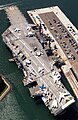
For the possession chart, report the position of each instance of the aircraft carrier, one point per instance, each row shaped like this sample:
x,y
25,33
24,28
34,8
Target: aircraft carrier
x,y
31,51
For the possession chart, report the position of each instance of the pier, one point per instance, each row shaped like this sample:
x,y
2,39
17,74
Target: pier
x,y
4,92
65,36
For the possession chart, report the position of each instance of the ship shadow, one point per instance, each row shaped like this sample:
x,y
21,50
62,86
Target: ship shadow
x,y
70,113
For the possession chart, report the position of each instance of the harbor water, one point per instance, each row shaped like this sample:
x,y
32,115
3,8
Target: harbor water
x,y
18,105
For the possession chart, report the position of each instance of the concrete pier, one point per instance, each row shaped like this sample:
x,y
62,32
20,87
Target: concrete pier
x,y
65,36
8,87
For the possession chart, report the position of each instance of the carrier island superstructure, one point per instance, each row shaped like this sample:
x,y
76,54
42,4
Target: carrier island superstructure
x,y
29,46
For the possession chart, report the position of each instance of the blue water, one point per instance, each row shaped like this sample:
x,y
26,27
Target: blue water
x,y
18,105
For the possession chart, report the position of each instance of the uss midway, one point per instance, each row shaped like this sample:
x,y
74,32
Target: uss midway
x,y
31,48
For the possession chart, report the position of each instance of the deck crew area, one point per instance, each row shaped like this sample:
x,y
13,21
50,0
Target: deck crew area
x,y
30,56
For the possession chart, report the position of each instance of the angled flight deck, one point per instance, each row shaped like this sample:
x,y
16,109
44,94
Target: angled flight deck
x,y
32,59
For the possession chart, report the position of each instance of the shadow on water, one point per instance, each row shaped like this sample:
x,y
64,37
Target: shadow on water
x,y
69,114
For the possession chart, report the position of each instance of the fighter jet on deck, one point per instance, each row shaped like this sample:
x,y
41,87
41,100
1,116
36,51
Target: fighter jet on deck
x,y
62,96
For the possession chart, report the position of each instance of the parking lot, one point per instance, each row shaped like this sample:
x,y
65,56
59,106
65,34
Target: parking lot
x,y
62,35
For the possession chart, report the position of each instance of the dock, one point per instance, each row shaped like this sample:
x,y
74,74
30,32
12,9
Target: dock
x,y
31,58
7,89
65,36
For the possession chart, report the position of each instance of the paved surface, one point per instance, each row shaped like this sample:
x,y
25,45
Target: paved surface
x,y
57,32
